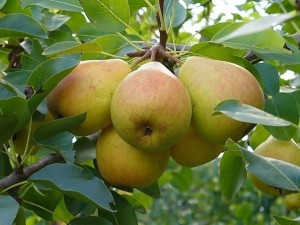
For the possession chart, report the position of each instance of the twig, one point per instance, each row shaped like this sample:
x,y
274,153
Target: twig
x,y
19,176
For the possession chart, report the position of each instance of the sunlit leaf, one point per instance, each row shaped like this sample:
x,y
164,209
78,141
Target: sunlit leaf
x,y
68,5
266,41
110,16
257,25
70,47
246,113
53,21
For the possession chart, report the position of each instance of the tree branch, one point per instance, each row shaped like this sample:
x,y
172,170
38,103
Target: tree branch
x,y
163,36
23,174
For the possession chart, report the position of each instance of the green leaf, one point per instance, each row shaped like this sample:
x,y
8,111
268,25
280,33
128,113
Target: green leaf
x,y
18,107
70,47
296,95
21,217
2,3
258,25
51,128
18,79
208,32
46,76
53,21
272,171
285,221
84,220
138,207
111,43
5,166
68,5
258,136
76,22
233,172
283,105
152,191
174,13
73,181
8,209
48,199
246,113
85,150
110,16
267,41
290,58
124,214
182,179
20,25
6,90
7,126
270,78
62,143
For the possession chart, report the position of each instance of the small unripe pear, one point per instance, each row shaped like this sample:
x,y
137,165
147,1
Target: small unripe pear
x,y
151,109
20,138
292,201
287,151
88,88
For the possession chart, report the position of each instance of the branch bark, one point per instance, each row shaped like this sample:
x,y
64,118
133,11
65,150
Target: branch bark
x,y
23,174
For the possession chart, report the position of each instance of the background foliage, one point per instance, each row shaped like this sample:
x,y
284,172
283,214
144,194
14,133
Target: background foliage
x,y
41,41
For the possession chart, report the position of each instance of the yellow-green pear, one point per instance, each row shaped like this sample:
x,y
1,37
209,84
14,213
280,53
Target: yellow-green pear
x,y
88,88
151,108
122,165
211,81
287,151
292,201
20,138
193,150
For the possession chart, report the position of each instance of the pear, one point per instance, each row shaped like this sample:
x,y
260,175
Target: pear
x,y
20,138
292,201
287,151
88,88
122,165
151,109
211,81
193,150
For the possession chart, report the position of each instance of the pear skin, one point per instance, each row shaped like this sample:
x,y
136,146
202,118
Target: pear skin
x,y
88,88
292,201
287,151
122,165
211,81
192,150
151,108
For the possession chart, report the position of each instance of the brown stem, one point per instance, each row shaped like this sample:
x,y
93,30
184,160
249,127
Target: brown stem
x,y
17,176
163,36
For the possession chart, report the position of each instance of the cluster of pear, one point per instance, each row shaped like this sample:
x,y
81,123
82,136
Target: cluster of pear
x,y
287,151
149,114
